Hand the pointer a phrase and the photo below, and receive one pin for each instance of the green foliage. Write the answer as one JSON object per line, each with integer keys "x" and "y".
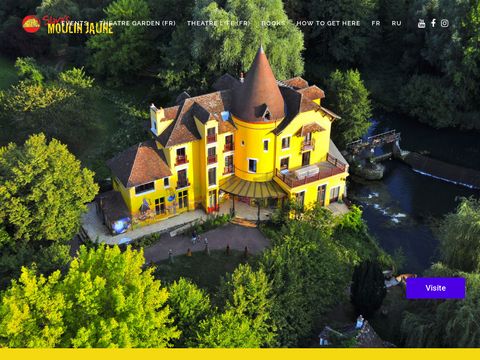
{"x": 351, "y": 231}
{"x": 460, "y": 237}
{"x": 219, "y": 49}
{"x": 43, "y": 190}
{"x": 190, "y": 305}
{"x": 246, "y": 321}
{"x": 210, "y": 223}
{"x": 430, "y": 100}
{"x": 121, "y": 55}
{"x": 350, "y": 99}
{"x": 28, "y": 71}
{"x": 449, "y": 323}
{"x": 309, "y": 274}
{"x": 345, "y": 44}
{"x": 104, "y": 300}
{"x": 31, "y": 97}
{"x": 368, "y": 287}
{"x": 77, "y": 78}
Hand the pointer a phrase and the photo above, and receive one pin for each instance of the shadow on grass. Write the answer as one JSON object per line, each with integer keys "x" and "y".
{"x": 204, "y": 270}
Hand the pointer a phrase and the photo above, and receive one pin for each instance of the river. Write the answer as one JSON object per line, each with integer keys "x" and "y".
{"x": 401, "y": 208}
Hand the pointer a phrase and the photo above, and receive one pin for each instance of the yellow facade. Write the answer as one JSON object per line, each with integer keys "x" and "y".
{"x": 297, "y": 155}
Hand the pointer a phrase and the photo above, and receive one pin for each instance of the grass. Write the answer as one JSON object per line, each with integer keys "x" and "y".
{"x": 204, "y": 270}
{"x": 8, "y": 75}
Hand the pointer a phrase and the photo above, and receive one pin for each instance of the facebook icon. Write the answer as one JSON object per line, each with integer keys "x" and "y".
{"x": 433, "y": 22}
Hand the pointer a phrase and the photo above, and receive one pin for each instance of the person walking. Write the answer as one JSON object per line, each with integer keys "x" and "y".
{"x": 194, "y": 237}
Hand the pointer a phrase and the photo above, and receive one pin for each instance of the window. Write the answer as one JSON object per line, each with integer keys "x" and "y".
{"x": 286, "y": 142}
{"x": 166, "y": 182}
{"x": 321, "y": 194}
{"x": 334, "y": 193}
{"x": 160, "y": 206}
{"x": 212, "y": 196}
{"x": 252, "y": 165}
{"x": 181, "y": 156}
{"x": 228, "y": 143}
{"x": 300, "y": 199}
{"x": 284, "y": 163}
{"x": 183, "y": 199}
{"x": 243, "y": 143}
{"x": 211, "y": 135}
{"x": 228, "y": 164}
{"x": 212, "y": 176}
{"x": 182, "y": 180}
{"x": 144, "y": 188}
{"x": 265, "y": 145}
{"x": 212, "y": 155}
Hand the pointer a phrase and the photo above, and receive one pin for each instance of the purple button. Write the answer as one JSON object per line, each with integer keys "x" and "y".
{"x": 436, "y": 288}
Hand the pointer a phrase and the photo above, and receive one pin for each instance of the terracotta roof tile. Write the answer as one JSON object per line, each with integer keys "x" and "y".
{"x": 139, "y": 164}
{"x": 312, "y": 92}
{"x": 296, "y": 82}
{"x": 258, "y": 92}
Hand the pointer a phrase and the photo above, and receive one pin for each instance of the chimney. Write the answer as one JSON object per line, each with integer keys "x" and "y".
{"x": 241, "y": 76}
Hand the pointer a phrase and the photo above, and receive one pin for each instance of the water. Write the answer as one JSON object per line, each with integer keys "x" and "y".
{"x": 401, "y": 208}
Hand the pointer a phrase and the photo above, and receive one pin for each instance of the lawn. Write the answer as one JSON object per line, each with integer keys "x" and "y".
{"x": 205, "y": 271}
{"x": 8, "y": 74}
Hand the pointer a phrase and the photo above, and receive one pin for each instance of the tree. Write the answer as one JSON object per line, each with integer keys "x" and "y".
{"x": 460, "y": 237}
{"x": 450, "y": 323}
{"x": 345, "y": 44}
{"x": 104, "y": 300}
{"x": 120, "y": 56}
{"x": 190, "y": 305}
{"x": 246, "y": 320}
{"x": 27, "y": 70}
{"x": 231, "y": 48}
{"x": 368, "y": 287}
{"x": 308, "y": 273}
{"x": 349, "y": 97}
{"x": 43, "y": 190}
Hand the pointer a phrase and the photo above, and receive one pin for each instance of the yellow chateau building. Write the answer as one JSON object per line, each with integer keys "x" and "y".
{"x": 254, "y": 139}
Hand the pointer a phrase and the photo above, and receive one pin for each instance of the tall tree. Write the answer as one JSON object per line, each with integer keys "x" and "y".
{"x": 190, "y": 305}
{"x": 460, "y": 237}
{"x": 368, "y": 287}
{"x": 348, "y": 96}
{"x": 308, "y": 272}
{"x": 43, "y": 190}
{"x": 231, "y": 47}
{"x": 246, "y": 318}
{"x": 121, "y": 56}
{"x": 105, "y": 299}
{"x": 345, "y": 44}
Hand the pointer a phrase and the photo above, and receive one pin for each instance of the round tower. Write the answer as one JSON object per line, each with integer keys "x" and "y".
{"x": 257, "y": 108}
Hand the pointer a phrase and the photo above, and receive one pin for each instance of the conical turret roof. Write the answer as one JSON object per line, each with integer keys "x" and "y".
{"x": 258, "y": 97}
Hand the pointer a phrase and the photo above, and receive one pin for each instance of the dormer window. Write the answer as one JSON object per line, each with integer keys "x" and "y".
{"x": 266, "y": 114}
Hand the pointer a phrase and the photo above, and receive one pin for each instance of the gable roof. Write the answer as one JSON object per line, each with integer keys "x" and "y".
{"x": 203, "y": 107}
{"x": 139, "y": 164}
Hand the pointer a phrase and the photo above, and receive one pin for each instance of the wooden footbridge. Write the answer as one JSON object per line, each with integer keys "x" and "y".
{"x": 418, "y": 162}
{"x": 388, "y": 137}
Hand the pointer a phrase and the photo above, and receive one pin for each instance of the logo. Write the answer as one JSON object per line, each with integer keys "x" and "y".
{"x": 421, "y": 24}
{"x": 31, "y": 24}
{"x": 444, "y": 23}
{"x": 433, "y": 22}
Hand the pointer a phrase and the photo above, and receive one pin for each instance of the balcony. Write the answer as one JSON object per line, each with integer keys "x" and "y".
{"x": 308, "y": 174}
{"x": 308, "y": 145}
{"x": 228, "y": 147}
{"x": 228, "y": 170}
{"x": 181, "y": 159}
{"x": 211, "y": 159}
{"x": 211, "y": 138}
{"x": 183, "y": 183}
